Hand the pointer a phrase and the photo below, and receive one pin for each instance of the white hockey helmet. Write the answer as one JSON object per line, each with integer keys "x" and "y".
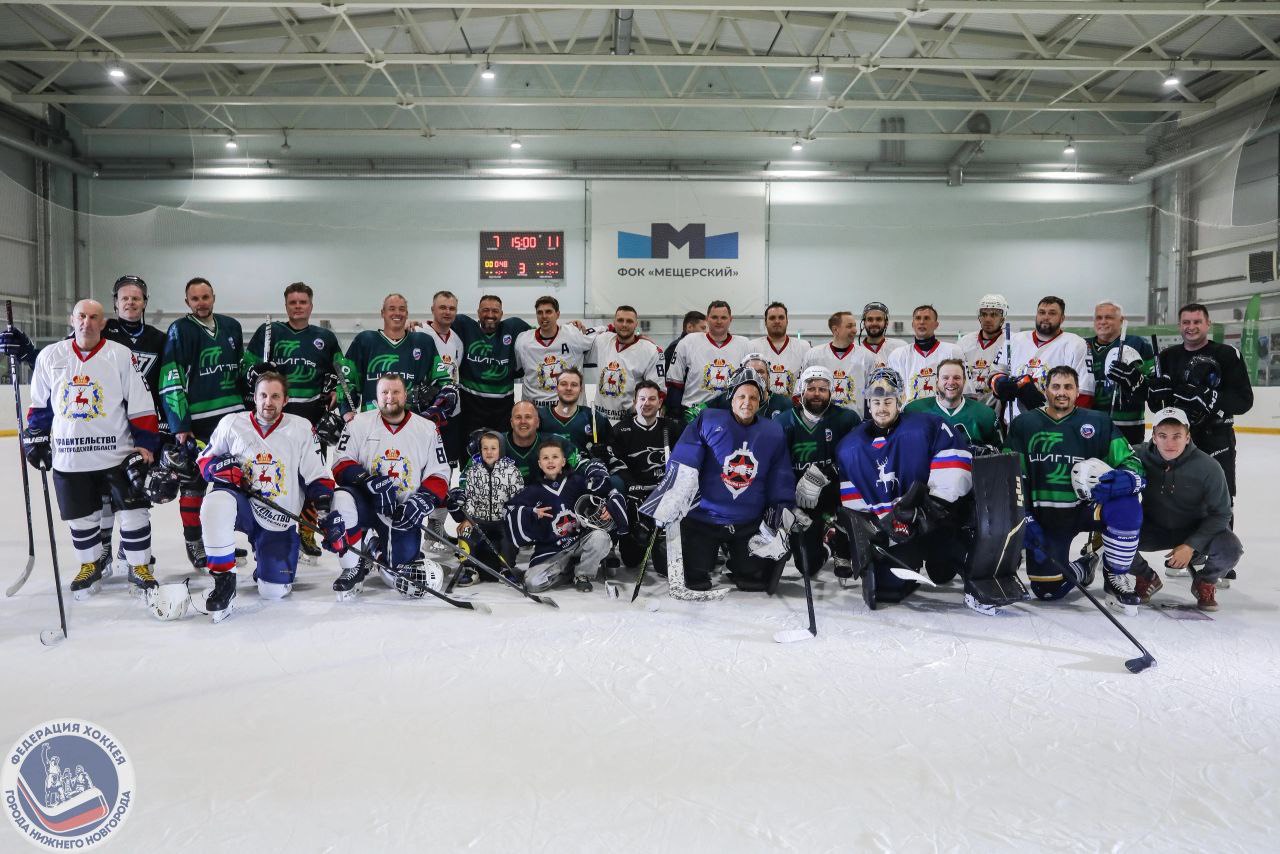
{"x": 592, "y": 512}
{"x": 996, "y": 301}
{"x": 813, "y": 373}
{"x": 1126, "y": 354}
{"x": 169, "y": 601}
{"x": 1085, "y": 476}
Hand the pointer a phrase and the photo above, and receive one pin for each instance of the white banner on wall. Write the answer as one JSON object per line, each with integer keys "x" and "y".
{"x": 667, "y": 248}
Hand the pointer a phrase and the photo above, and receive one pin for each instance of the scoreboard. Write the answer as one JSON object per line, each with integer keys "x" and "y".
{"x": 521, "y": 255}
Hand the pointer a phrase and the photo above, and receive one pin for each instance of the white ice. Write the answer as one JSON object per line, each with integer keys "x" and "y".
{"x": 394, "y": 725}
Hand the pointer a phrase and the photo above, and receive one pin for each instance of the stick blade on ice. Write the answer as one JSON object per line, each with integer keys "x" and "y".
{"x": 1139, "y": 664}
{"x": 22, "y": 579}
{"x": 52, "y": 637}
{"x": 792, "y": 636}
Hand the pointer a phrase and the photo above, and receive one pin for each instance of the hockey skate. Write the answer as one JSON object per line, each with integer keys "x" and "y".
{"x": 142, "y": 578}
{"x": 1121, "y": 592}
{"x": 350, "y": 582}
{"x": 221, "y": 600}
{"x": 1205, "y": 590}
{"x": 88, "y": 580}
{"x": 307, "y": 545}
{"x": 1085, "y": 568}
{"x": 582, "y": 584}
{"x": 120, "y": 565}
{"x": 195, "y": 554}
{"x": 111, "y": 568}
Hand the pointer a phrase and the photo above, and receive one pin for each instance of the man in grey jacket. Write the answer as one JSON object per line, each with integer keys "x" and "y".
{"x": 1186, "y": 508}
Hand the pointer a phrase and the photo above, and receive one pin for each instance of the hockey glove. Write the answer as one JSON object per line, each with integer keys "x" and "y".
{"x": 1029, "y": 394}
{"x": 329, "y": 428}
{"x": 442, "y": 406}
{"x": 257, "y": 370}
{"x": 1197, "y": 402}
{"x": 329, "y": 384}
{"x": 411, "y": 512}
{"x": 598, "y": 451}
{"x": 596, "y": 474}
{"x": 1005, "y": 388}
{"x": 14, "y": 342}
{"x": 1116, "y": 483}
{"x": 36, "y": 448}
{"x": 383, "y": 490}
{"x": 333, "y": 532}
{"x": 638, "y": 492}
{"x": 227, "y": 469}
{"x": 1127, "y": 377}
{"x": 780, "y": 518}
{"x": 1159, "y": 389}
{"x": 809, "y": 487}
{"x": 135, "y": 472}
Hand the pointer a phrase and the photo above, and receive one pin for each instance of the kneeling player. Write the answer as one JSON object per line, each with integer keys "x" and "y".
{"x": 906, "y": 477}
{"x": 392, "y": 472}
{"x": 1101, "y": 494}
{"x": 270, "y": 454}
{"x": 567, "y": 521}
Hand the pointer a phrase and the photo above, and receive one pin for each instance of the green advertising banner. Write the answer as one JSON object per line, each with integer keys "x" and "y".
{"x": 1249, "y": 338}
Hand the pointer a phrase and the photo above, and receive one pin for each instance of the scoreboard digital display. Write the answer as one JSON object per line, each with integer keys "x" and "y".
{"x": 517, "y": 255}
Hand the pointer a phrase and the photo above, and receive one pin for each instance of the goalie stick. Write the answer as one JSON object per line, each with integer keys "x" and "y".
{"x": 675, "y": 573}
{"x": 461, "y": 552}
{"x": 22, "y": 463}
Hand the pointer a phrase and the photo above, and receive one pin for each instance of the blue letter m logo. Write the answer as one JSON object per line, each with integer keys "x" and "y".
{"x": 662, "y": 236}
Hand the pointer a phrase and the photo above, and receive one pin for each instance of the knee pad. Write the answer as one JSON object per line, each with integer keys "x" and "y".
{"x": 345, "y": 503}
{"x": 219, "y": 509}
{"x": 272, "y": 590}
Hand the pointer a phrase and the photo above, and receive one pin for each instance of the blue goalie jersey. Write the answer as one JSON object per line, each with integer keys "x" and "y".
{"x": 877, "y": 470}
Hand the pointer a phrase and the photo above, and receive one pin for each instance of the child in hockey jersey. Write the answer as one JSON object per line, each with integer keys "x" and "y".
{"x": 543, "y": 515}
{"x": 487, "y": 484}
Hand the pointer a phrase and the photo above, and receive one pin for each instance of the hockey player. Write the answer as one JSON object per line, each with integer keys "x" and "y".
{"x": 813, "y": 428}
{"x": 392, "y": 472}
{"x": 978, "y": 422}
{"x": 488, "y": 372}
{"x": 1186, "y": 512}
{"x": 1209, "y": 382}
{"x": 917, "y": 363}
{"x": 579, "y": 426}
{"x": 885, "y": 464}
{"x": 479, "y": 506}
{"x": 730, "y": 483}
{"x": 309, "y": 358}
{"x": 847, "y": 362}
{"x": 1081, "y": 475}
{"x": 640, "y": 446}
{"x": 542, "y": 353}
{"x": 450, "y": 350}
{"x": 623, "y": 359}
{"x": 783, "y": 354}
{"x": 694, "y": 321}
{"x": 985, "y": 348}
{"x": 775, "y": 405}
{"x": 520, "y": 443}
{"x": 703, "y": 364}
{"x": 875, "y": 321}
{"x": 566, "y": 517}
{"x": 269, "y": 453}
{"x": 200, "y": 382}
{"x": 92, "y": 421}
{"x": 1036, "y": 351}
{"x": 1120, "y": 365}
{"x": 393, "y": 349}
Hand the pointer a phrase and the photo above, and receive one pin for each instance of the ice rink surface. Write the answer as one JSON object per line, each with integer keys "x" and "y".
{"x": 394, "y": 725}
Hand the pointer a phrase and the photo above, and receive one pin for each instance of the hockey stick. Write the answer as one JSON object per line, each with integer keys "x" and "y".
{"x": 1001, "y": 405}
{"x": 793, "y": 635}
{"x": 49, "y": 637}
{"x": 463, "y": 553}
{"x": 457, "y": 603}
{"x": 266, "y": 340}
{"x": 22, "y": 463}
{"x": 1134, "y": 665}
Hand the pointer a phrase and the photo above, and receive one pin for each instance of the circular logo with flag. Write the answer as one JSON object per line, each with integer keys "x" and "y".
{"x": 68, "y": 784}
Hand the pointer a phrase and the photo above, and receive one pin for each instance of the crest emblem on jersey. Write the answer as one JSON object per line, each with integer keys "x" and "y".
{"x": 780, "y": 379}
{"x": 506, "y": 339}
{"x": 82, "y": 399}
{"x": 1087, "y": 431}
{"x": 395, "y": 465}
{"x": 318, "y": 343}
{"x": 417, "y": 352}
{"x": 738, "y": 470}
{"x": 565, "y": 524}
{"x": 716, "y": 374}
{"x": 839, "y": 387}
{"x": 922, "y": 384}
{"x": 266, "y": 474}
{"x": 613, "y": 380}
{"x": 549, "y": 372}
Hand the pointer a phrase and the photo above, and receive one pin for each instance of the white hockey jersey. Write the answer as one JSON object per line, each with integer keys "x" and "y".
{"x": 619, "y": 368}
{"x": 450, "y": 350}
{"x": 88, "y": 401}
{"x": 542, "y": 359}
{"x": 702, "y": 367}
{"x": 410, "y": 453}
{"x": 784, "y": 365}
{"x": 848, "y": 372}
{"x": 881, "y": 352}
{"x": 1034, "y": 356}
{"x": 980, "y": 358}
{"x": 279, "y": 462}
{"x": 919, "y": 369}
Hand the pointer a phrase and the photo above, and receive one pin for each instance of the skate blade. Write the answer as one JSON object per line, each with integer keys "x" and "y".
{"x": 792, "y": 636}
{"x": 1121, "y": 608}
{"x": 88, "y": 592}
{"x": 219, "y": 616}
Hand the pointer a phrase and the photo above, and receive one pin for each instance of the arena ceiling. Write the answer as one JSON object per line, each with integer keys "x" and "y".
{"x": 891, "y": 82}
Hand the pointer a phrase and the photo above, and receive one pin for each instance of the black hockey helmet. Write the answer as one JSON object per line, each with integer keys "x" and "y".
{"x": 1202, "y": 372}
{"x": 129, "y": 280}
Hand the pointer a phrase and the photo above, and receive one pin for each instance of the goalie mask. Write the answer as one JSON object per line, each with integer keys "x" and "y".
{"x": 883, "y": 382}
{"x": 169, "y": 601}
{"x": 592, "y": 512}
{"x": 746, "y": 375}
{"x": 1085, "y": 475}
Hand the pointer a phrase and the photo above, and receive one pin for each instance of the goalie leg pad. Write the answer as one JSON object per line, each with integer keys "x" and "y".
{"x": 998, "y": 591}
{"x": 997, "y": 532}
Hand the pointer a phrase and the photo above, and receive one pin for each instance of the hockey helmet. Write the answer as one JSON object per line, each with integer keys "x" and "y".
{"x": 169, "y": 601}
{"x": 815, "y": 373}
{"x": 1125, "y": 354}
{"x": 875, "y": 306}
{"x": 1085, "y": 476}
{"x": 129, "y": 280}
{"x": 1202, "y": 372}
{"x": 756, "y": 357}
{"x": 996, "y": 301}
{"x": 883, "y": 382}
{"x": 180, "y": 459}
{"x": 412, "y": 580}
{"x": 592, "y": 512}
{"x": 748, "y": 375}
{"x": 161, "y": 485}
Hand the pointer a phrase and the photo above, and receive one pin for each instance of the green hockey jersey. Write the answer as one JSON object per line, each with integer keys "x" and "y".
{"x": 1129, "y": 410}
{"x": 305, "y": 357}
{"x": 977, "y": 420}
{"x": 489, "y": 367}
{"x": 373, "y": 354}
{"x": 200, "y": 375}
{"x": 815, "y": 443}
{"x": 526, "y": 459}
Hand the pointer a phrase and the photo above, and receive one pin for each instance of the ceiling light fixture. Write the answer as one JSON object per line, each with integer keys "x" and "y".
{"x": 1070, "y": 149}
{"x": 815, "y": 76}
{"x": 1171, "y": 78}
{"x": 487, "y": 72}
{"x": 115, "y": 71}
{"x": 516, "y": 144}
{"x": 797, "y": 145}
{"x": 232, "y": 145}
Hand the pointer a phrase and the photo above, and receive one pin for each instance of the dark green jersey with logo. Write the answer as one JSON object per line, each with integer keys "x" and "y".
{"x": 304, "y": 356}
{"x": 200, "y": 376}
{"x": 978, "y": 421}
{"x": 816, "y": 442}
{"x": 1050, "y": 448}
{"x": 1129, "y": 409}
{"x": 526, "y": 459}
{"x": 373, "y": 354}
{"x": 489, "y": 366}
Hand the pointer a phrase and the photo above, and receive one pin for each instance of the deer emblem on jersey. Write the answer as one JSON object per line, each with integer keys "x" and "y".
{"x": 886, "y": 477}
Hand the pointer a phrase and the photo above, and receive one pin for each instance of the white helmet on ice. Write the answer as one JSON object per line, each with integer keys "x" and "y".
{"x": 1085, "y": 476}
{"x": 169, "y": 601}
{"x": 813, "y": 373}
{"x": 996, "y": 301}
